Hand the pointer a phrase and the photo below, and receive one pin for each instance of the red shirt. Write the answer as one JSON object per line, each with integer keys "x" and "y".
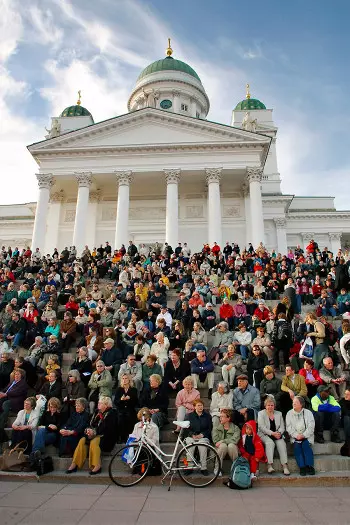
{"x": 226, "y": 311}
{"x": 263, "y": 315}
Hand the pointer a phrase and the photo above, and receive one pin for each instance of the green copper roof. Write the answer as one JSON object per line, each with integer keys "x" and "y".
{"x": 250, "y": 104}
{"x": 168, "y": 64}
{"x": 76, "y": 111}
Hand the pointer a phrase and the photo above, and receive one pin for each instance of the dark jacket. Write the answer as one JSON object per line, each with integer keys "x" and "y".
{"x": 160, "y": 400}
{"x": 172, "y": 374}
{"x": 271, "y": 387}
{"x": 202, "y": 368}
{"x": 209, "y": 319}
{"x": 200, "y": 424}
{"x": 17, "y": 394}
{"x": 52, "y": 390}
{"x": 50, "y": 419}
{"x": 126, "y": 406}
{"x": 75, "y": 390}
{"x": 105, "y": 426}
{"x": 84, "y": 366}
{"x": 6, "y": 368}
{"x": 112, "y": 357}
{"x": 256, "y": 363}
{"x": 78, "y": 422}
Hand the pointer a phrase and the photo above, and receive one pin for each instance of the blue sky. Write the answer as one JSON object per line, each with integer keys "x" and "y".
{"x": 295, "y": 56}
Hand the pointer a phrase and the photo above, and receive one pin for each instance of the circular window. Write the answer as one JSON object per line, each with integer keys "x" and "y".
{"x": 166, "y": 104}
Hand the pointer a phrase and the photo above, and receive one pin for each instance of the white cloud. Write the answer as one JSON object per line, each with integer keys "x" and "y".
{"x": 43, "y": 27}
{"x": 10, "y": 29}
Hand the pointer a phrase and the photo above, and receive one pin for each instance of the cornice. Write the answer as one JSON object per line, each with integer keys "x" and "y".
{"x": 319, "y": 216}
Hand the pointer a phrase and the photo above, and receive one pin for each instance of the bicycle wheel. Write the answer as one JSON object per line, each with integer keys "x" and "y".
{"x": 129, "y": 465}
{"x": 198, "y": 464}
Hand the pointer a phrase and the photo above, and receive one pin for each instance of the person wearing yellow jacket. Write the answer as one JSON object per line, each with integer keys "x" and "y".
{"x": 326, "y": 410}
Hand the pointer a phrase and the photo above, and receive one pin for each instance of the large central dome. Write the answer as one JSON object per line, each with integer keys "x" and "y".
{"x": 167, "y": 64}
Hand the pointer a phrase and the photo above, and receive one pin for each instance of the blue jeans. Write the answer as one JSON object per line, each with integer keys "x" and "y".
{"x": 244, "y": 351}
{"x": 298, "y": 304}
{"x": 329, "y": 311}
{"x": 17, "y": 340}
{"x": 303, "y": 454}
{"x": 43, "y": 438}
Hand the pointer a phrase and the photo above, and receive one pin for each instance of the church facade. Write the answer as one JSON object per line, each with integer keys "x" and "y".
{"x": 164, "y": 172}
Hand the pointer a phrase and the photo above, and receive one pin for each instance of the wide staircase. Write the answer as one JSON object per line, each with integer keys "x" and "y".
{"x": 331, "y": 467}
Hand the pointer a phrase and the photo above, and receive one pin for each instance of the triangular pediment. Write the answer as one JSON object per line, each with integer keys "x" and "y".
{"x": 149, "y": 127}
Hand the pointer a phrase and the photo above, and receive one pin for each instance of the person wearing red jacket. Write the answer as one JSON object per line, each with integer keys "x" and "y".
{"x": 262, "y": 312}
{"x": 316, "y": 290}
{"x": 252, "y": 448}
{"x": 196, "y": 302}
{"x": 311, "y": 376}
{"x": 215, "y": 249}
{"x": 72, "y": 306}
{"x": 227, "y": 313}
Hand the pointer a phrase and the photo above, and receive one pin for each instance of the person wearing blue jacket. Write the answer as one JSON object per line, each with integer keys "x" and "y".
{"x": 202, "y": 369}
{"x": 326, "y": 411}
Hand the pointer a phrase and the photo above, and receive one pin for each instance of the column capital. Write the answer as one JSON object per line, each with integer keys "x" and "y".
{"x": 254, "y": 174}
{"x": 172, "y": 176}
{"x": 84, "y": 179}
{"x": 57, "y": 196}
{"x": 45, "y": 180}
{"x": 124, "y": 178}
{"x": 213, "y": 175}
{"x": 176, "y": 93}
{"x": 307, "y": 236}
{"x": 245, "y": 189}
{"x": 95, "y": 196}
{"x": 280, "y": 223}
{"x": 334, "y": 236}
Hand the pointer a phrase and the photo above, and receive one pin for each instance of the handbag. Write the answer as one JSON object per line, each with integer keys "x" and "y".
{"x": 128, "y": 454}
{"x": 13, "y": 459}
{"x": 307, "y": 348}
{"x": 44, "y": 465}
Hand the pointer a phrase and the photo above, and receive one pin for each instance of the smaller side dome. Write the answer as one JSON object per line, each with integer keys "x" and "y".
{"x": 249, "y": 103}
{"x": 75, "y": 111}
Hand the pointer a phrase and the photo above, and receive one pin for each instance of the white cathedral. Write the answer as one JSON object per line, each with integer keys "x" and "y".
{"x": 163, "y": 172}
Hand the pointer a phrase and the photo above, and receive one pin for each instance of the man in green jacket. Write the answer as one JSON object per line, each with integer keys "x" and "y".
{"x": 326, "y": 412}
{"x": 226, "y": 436}
{"x": 8, "y": 295}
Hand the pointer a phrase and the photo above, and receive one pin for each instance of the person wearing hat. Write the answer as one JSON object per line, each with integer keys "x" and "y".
{"x": 209, "y": 317}
{"x": 166, "y": 315}
{"x": 111, "y": 356}
{"x": 326, "y": 411}
{"x": 132, "y": 368}
{"x": 246, "y": 400}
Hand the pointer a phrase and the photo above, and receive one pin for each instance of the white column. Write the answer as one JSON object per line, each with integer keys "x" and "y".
{"x": 176, "y": 101}
{"x": 213, "y": 177}
{"x": 248, "y": 228}
{"x": 256, "y": 210}
{"x": 172, "y": 178}
{"x": 124, "y": 179}
{"x": 306, "y": 236}
{"x": 81, "y": 214}
{"x": 281, "y": 232}
{"x": 53, "y": 221}
{"x": 95, "y": 197}
{"x": 193, "y": 103}
{"x": 335, "y": 241}
{"x": 45, "y": 181}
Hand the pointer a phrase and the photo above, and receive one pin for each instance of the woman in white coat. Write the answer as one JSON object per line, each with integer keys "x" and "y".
{"x": 271, "y": 429}
{"x": 26, "y": 423}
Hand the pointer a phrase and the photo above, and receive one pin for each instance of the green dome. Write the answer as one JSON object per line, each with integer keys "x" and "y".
{"x": 249, "y": 104}
{"x": 168, "y": 64}
{"x": 76, "y": 111}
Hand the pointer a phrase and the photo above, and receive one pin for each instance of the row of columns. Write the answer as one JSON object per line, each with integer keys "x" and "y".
{"x": 83, "y": 218}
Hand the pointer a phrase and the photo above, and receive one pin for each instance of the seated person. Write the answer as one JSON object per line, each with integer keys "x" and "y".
{"x": 150, "y": 367}
{"x": 270, "y": 385}
{"x": 53, "y": 347}
{"x": 30, "y": 371}
{"x": 100, "y": 436}
{"x": 334, "y": 377}
{"x": 6, "y": 366}
{"x": 202, "y": 370}
{"x": 246, "y": 400}
{"x": 112, "y": 356}
{"x": 100, "y": 384}
{"x": 160, "y": 348}
{"x": 292, "y": 385}
{"x": 126, "y": 402}
{"x": 209, "y": 317}
{"x": 74, "y": 428}
{"x": 222, "y": 398}
{"x": 94, "y": 343}
{"x": 311, "y": 376}
{"x": 176, "y": 370}
{"x": 231, "y": 364}
{"x": 264, "y": 341}
{"x": 326, "y": 411}
{"x": 199, "y": 335}
{"x": 271, "y": 431}
{"x": 52, "y": 387}
{"x": 152, "y": 431}
{"x": 242, "y": 340}
{"x": 155, "y": 397}
{"x": 83, "y": 364}
{"x": 300, "y": 424}
{"x": 222, "y": 338}
{"x": 184, "y": 400}
{"x": 75, "y": 390}
{"x": 227, "y": 313}
{"x": 345, "y": 415}
{"x": 225, "y": 436}
{"x": 12, "y": 396}
{"x": 36, "y": 351}
{"x": 52, "y": 365}
{"x": 25, "y": 424}
{"x": 251, "y": 448}
{"x": 48, "y": 428}
{"x": 199, "y": 431}
{"x": 134, "y": 370}
{"x": 141, "y": 348}
{"x": 68, "y": 331}
{"x": 255, "y": 366}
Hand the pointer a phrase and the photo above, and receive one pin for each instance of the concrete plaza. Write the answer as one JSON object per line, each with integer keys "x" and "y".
{"x": 70, "y": 504}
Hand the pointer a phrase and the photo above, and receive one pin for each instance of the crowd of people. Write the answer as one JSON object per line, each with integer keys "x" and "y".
{"x": 106, "y": 316}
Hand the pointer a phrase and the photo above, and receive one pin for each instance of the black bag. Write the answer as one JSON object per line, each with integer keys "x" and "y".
{"x": 44, "y": 465}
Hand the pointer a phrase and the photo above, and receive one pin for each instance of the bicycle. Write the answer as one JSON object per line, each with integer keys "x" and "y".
{"x": 198, "y": 464}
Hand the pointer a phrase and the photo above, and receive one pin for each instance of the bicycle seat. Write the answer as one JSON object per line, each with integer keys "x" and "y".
{"x": 182, "y": 424}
